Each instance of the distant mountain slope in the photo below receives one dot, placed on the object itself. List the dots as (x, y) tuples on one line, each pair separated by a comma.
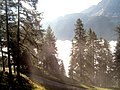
[(89, 10), (102, 18), (103, 26), (64, 26), (109, 8)]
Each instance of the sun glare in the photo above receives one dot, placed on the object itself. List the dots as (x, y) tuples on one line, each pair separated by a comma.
[(54, 8)]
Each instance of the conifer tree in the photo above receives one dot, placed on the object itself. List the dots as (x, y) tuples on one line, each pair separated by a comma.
[(31, 34), (77, 56), (117, 57), (48, 60), (91, 59), (2, 34), (28, 23), (62, 68), (102, 63), (90, 53)]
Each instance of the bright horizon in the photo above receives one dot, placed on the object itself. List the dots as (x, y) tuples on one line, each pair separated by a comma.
[(54, 8)]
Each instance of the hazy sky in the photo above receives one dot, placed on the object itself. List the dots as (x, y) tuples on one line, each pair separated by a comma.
[(55, 8)]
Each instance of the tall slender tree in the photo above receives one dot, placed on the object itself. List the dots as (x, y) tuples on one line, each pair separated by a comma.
[(24, 28), (2, 35), (117, 57), (77, 55), (8, 40), (51, 61), (103, 61), (90, 52)]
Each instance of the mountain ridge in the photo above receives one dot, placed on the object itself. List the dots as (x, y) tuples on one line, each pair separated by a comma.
[(107, 8), (103, 18)]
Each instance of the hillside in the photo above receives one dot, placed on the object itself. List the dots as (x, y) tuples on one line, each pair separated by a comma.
[(40, 83)]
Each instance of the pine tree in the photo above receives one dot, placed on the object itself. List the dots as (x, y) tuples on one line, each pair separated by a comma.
[(102, 63), (48, 53), (62, 68), (90, 56), (77, 56), (27, 21), (117, 57), (51, 51), (31, 34), (2, 35)]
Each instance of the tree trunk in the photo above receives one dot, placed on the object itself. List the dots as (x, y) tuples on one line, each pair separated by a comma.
[(9, 62), (2, 59), (18, 39)]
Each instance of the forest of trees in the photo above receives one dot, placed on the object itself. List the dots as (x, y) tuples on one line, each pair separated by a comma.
[(91, 59), (28, 45), (25, 46)]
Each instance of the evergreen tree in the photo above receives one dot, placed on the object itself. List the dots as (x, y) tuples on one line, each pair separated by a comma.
[(48, 53), (102, 63), (2, 35), (77, 56), (62, 68), (91, 59), (31, 34), (51, 60), (117, 57), (27, 21), (90, 52)]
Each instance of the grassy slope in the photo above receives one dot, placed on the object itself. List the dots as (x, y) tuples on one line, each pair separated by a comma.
[(24, 84), (27, 84)]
